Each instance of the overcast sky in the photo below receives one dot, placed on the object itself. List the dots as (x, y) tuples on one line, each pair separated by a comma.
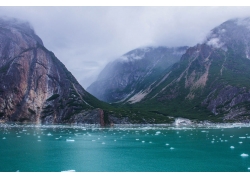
[(85, 39)]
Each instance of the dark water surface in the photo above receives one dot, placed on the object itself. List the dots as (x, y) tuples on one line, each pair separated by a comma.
[(37, 148)]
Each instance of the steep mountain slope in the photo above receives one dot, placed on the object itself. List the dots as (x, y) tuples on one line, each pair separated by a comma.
[(34, 85), (212, 79), (128, 77)]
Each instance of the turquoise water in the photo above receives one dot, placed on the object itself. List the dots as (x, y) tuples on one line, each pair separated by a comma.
[(34, 148)]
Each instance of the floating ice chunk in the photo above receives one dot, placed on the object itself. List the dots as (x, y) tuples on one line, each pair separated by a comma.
[(69, 171), (232, 147), (18, 136), (212, 141), (248, 136), (56, 138), (150, 142), (49, 134), (4, 137), (103, 142), (248, 168), (244, 155), (231, 136), (115, 140), (158, 132), (70, 140), (167, 144), (240, 142), (137, 139), (242, 137), (38, 140), (171, 148), (143, 141)]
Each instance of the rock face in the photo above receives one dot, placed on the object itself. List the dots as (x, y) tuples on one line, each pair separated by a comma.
[(127, 78), (212, 79), (34, 85)]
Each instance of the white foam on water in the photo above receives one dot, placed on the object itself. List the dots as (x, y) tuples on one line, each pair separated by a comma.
[(70, 140), (232, 147), (244, 155)]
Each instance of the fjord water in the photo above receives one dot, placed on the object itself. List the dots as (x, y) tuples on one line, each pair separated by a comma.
[(39, 148)]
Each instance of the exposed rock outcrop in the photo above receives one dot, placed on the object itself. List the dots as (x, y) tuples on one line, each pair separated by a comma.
[(34, 85)]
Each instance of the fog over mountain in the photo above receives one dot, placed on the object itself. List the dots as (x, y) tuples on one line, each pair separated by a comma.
[(85, 39)]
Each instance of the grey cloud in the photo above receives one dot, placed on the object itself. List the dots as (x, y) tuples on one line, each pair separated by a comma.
[(85, 39)]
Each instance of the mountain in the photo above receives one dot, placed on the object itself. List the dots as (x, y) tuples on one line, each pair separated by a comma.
[(212, 79), (34, 85), (127, 78)]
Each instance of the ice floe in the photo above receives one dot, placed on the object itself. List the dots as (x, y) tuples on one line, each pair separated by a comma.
[(244, 155), (70, 140), (69, 171)]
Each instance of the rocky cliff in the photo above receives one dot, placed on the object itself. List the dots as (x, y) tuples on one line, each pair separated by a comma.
[(34, 85), (127, 78)]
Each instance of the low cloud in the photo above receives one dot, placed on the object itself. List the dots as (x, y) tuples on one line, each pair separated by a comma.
[(85, 39)]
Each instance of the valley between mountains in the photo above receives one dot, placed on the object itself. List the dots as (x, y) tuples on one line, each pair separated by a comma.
[(207, 82)]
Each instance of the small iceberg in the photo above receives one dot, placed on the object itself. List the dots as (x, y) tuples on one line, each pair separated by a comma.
[(171, 148), (157, 133), (240, 142), (143, 141), (4, 137), (242, 137), (244, 155), (69, 171), (167, 144), (232, 147), (70, 140)]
